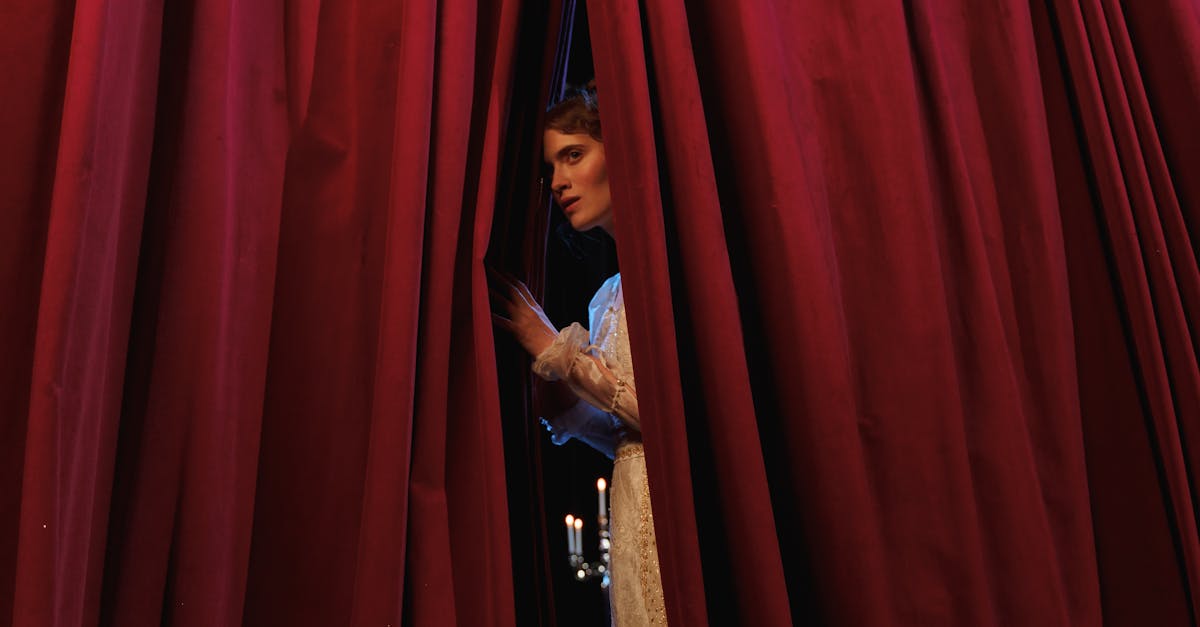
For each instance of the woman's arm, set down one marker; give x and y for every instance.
(590, 372)
(565, 355)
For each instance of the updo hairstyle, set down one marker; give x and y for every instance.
(577, 112)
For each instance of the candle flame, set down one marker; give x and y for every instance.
(579, 523)
(601, 484)
(570, 520)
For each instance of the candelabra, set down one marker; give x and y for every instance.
(585, 570)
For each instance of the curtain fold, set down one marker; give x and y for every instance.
(1131, 246)
(911, 290)
(261, 389)
(959, 370)
(97, 182)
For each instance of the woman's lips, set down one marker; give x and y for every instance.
(568, 204)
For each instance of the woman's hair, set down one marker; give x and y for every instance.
(577, 112)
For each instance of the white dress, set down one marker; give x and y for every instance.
(599, 368)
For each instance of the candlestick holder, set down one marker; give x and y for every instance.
(591, 570)
(599, 568)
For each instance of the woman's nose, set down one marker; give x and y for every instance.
(558, 183)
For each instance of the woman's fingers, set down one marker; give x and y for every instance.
(503, 322)
(498, 294)
(525, 291)
(516, 288)
(516, 310)
(512, 283)
(499, 302)
(501, 276)
(522, 292)
(495, 279)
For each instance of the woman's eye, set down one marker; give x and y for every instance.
(575, 154)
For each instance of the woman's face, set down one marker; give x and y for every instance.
(580, 179)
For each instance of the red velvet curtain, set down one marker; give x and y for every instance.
(248, 371)
(921, 276)
(912, 289)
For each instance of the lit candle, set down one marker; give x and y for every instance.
(602, 488)
(570, 534)
(579, 536)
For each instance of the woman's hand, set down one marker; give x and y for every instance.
(523, 316)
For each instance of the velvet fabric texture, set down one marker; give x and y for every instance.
(911, 290)
(248, 371)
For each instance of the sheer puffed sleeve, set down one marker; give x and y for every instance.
(592, 374)
(595, 428)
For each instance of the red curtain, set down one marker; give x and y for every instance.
(248, 371)
(911, 292)
(921, 276)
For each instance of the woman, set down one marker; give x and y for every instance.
(596, 366)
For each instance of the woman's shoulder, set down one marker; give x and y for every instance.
(608, 288)
(611, 283)
(605, 295)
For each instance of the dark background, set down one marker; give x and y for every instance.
(575, 265)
